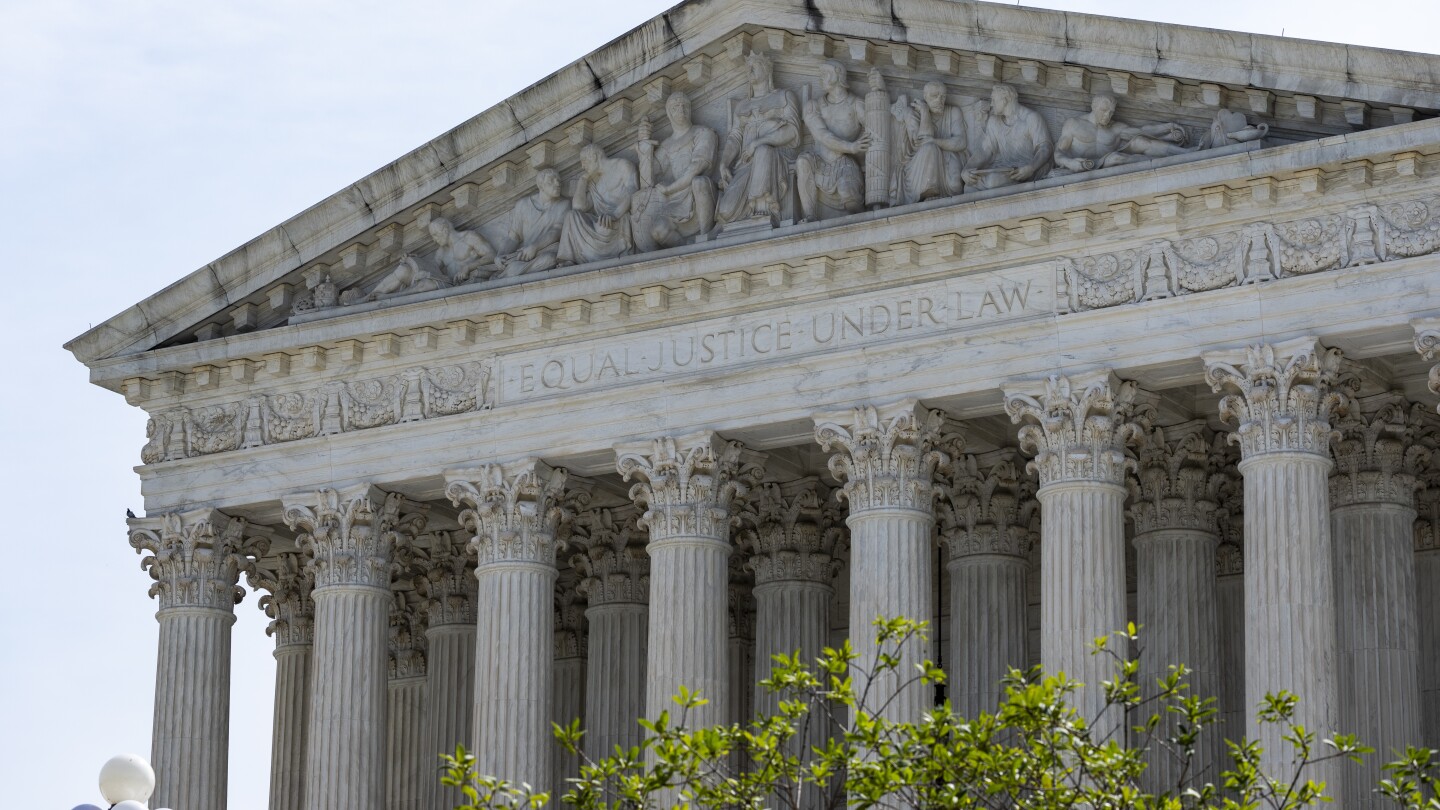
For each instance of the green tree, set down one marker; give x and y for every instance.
(1034, 752)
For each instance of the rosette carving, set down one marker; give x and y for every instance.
(687, 483)
(407, 634)
(987, 506)
(516, 512)
(1081, 428)
(1176, 485)
(195, 558)
(1377, 452)
(614, 567)
(288, 604)
(351, 534)
(1281, 397)
(446, 579)
(887, 455)
(569, 616)
(1230, 508)
(790, 534)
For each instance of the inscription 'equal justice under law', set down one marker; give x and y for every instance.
(937, 307)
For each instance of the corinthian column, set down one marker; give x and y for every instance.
(985, 510)
(1230, 594)
(410, 765)
(352, 534)
(447, 581)
(1079, 428)
(195, 559)
(686, 485)
(616, 585)
(1174, 510)
(885, 460)
(1281, 398)
(568, 702)
(1372, 510)
(292, 623)
(515, 513)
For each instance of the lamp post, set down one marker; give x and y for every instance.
(126, 782)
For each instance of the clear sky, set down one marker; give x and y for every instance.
(140, 140)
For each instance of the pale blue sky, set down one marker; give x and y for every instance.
(140, 140)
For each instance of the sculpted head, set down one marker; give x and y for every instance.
(935, 96)
(677, 108)
(590, 157)
(832, 75)
(1102, 106)
(548, 181)
(441, 230)
(1004, 99)
(762, 70)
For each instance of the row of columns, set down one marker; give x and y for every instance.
(1308, 626)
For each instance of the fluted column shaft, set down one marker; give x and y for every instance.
(449, 700)
(1427, 591)
(190, 746)
(515, 672)
(1378, 636)
(1290, 598)
(568, 704)
(790, 616)
(345, 768)
(410, 765)
(1178, 613)
(615, 676)
(988, 628)
(1082, 583)
(290, 727)
(689, 633)
(1230, 619)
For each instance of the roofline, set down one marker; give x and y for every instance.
(1373, 75)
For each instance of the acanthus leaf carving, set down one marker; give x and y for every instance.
(614, 567)
(1378, 454)
(446, 579)
(987, 506)
(686, 484)
(1176, 485)
(570, 627)
(288, 604)
(406, 648)
(352, 534)
(885, 457)
(790, 533)
(518, 512)
(1080, 428)
(1281, 397)
(196, 557)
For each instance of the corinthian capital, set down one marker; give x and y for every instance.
(517, 512)
(1280, 396)
(1176, 485)
(687, 483)
(1378, 453)
(196, 557)
(614, 567)
(886, 456)
(986, 506)
(407, 634)
(1427, 510)
(446, 579)
(1080, 427)
(351, 534)
(791, 534)
(288, 603)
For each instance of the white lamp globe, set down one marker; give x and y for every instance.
(129, 804)
(127, 778)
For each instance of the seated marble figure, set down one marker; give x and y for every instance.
(931, 148)
(532, 229)
(1014, 144)
(1230, 127)
(676, 200)
(598, 224)
(1096, 140)
(754, 175)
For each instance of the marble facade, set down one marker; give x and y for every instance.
(765, 320)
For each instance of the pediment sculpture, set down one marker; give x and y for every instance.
(827, 151)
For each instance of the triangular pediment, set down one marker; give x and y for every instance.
(477, 176)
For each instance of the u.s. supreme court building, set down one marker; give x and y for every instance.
(769, 318)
